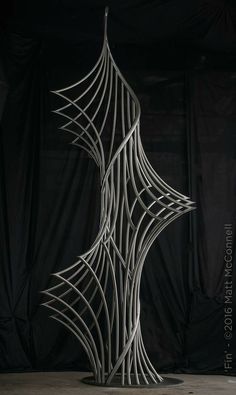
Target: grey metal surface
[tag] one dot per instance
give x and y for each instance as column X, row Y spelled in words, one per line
column 97, row 298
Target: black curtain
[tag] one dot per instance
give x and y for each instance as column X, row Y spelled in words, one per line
column 49, row 197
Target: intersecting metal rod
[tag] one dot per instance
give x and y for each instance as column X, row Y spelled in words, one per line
column 97, row 297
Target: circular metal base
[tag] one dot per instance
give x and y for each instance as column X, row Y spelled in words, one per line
column 116, row 382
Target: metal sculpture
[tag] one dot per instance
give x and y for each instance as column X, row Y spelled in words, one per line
column 97, row 298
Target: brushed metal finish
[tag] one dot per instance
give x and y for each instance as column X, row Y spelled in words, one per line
column 97, row 297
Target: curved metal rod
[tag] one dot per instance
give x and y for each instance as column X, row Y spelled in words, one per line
column 103, row 285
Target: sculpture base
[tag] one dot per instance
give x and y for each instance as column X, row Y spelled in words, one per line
column 116, row 382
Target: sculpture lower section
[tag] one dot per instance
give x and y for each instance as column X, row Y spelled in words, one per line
column 97, row 298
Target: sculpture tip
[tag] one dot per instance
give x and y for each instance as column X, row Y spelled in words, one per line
column 105, row 23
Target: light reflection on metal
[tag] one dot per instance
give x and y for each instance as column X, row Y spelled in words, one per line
column 97, row 298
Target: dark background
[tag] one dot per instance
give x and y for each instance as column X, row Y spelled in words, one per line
column 180, row 59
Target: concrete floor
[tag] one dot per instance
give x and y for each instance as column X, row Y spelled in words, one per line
column 68, row 383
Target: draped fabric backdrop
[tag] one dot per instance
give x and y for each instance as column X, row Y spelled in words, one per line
column 49, row 203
